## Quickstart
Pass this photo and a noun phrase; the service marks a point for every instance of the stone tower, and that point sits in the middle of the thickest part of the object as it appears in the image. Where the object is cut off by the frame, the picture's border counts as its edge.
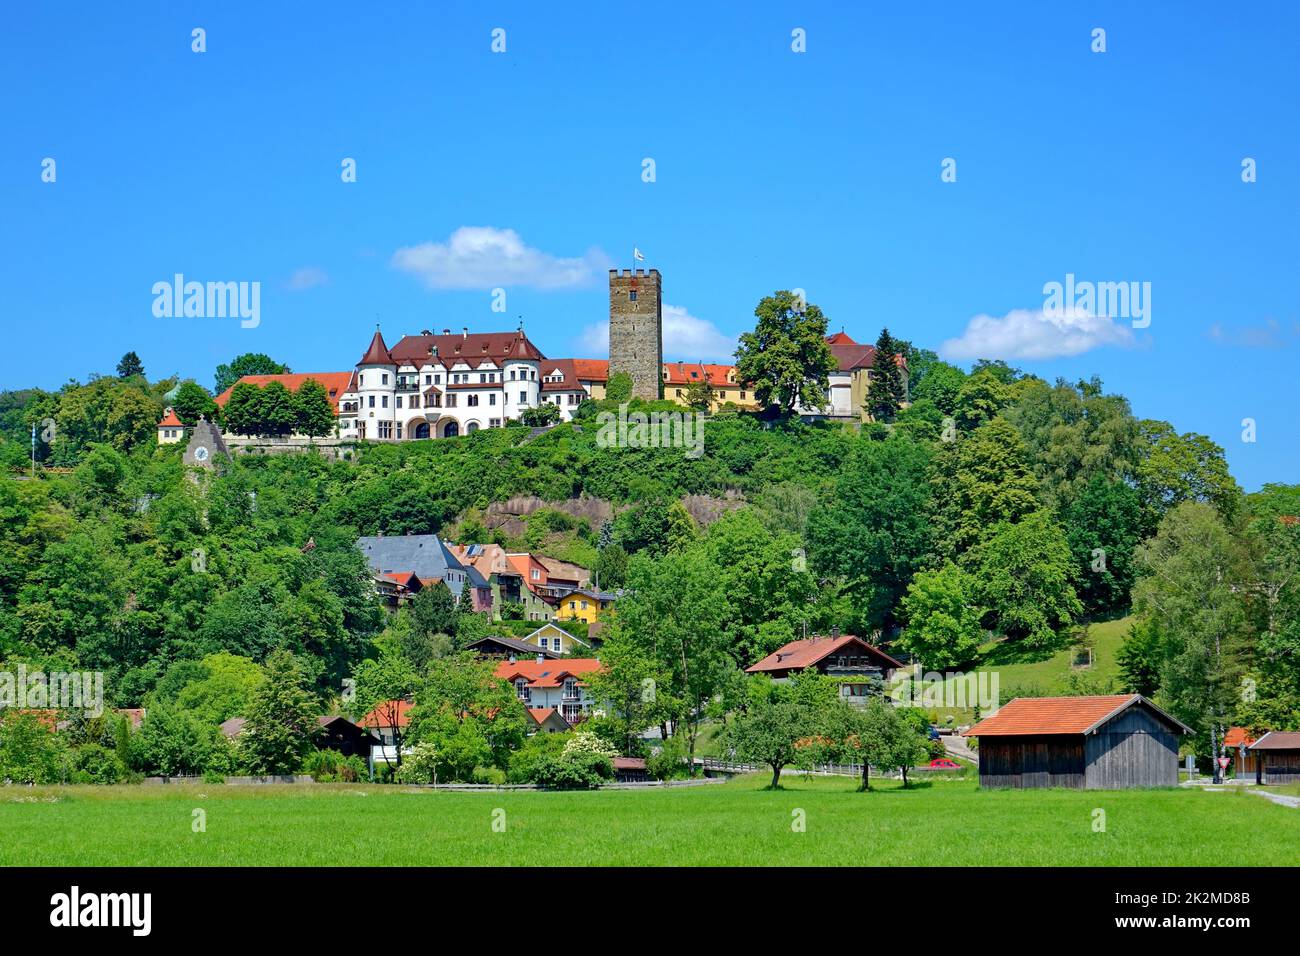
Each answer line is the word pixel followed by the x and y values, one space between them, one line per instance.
pixel 636 329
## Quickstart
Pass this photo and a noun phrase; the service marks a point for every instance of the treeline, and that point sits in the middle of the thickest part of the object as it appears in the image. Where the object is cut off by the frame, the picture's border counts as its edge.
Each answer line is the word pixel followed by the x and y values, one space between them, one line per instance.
pixel 995 506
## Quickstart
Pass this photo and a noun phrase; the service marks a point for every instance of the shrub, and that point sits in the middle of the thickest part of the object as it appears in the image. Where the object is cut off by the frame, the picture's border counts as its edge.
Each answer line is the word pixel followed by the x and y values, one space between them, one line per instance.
pixel 330 766
pixel 489 775
pixel 92 763
pixel 669 761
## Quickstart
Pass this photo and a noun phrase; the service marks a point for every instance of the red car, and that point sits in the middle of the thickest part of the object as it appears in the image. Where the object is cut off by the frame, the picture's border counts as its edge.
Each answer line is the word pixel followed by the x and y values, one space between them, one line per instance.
pixel 943 763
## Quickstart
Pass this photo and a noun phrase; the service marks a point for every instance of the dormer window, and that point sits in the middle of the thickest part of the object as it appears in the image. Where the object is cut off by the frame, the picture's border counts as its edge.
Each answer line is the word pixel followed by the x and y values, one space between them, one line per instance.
pixel 521 689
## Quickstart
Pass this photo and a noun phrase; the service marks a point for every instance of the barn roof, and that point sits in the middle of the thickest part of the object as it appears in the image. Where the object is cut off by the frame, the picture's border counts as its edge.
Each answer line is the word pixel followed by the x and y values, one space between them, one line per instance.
pixel 1033 716
pixel 1277 740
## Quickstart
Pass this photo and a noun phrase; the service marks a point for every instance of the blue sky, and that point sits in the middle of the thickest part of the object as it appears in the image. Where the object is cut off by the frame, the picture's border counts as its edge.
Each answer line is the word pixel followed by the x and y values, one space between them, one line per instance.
pixel 773 169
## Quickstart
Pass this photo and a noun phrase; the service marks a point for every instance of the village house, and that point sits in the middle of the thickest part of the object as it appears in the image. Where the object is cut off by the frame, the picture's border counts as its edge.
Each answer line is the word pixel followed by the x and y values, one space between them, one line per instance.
pixel 542 683
pixel 846 394
pixel 546 720
pixel 334 732
pixel 387 721
pixel 171 429
pixel 551 637
pixel 1277 758
pixel 585 605
pixel 1108 742
pixel 861 668
pixel 394 558
pixel 508 647
pixel 507 583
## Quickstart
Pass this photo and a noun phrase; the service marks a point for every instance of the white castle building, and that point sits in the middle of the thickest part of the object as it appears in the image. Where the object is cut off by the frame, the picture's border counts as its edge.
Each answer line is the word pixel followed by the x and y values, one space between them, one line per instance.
pixel 440 386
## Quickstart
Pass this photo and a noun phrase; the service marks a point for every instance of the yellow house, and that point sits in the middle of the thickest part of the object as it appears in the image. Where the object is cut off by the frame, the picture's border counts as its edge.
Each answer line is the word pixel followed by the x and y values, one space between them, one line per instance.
pixel 584 605
pixel 727 389
pixel 557 640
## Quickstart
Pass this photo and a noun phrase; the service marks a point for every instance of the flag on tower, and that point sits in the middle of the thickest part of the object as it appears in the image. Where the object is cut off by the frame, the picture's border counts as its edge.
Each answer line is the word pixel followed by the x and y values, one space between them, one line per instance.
pixel 636 254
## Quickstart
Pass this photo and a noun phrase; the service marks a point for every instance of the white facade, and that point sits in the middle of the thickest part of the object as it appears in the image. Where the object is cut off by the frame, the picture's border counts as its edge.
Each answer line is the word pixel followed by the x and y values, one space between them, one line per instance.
pixel 397 400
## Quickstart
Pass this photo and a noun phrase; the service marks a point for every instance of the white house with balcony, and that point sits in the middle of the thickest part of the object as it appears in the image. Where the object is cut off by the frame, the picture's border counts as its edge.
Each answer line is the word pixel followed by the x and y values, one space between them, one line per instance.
pixel 543 683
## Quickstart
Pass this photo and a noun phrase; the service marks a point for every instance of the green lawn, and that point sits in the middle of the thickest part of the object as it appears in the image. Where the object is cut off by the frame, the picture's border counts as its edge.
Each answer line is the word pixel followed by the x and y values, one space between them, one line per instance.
pixel 1049 673
pixel 736 823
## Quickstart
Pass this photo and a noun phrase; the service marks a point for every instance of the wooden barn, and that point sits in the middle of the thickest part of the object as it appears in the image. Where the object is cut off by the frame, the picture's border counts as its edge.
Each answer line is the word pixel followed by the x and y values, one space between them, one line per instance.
pixel 1277 756
pixel 1085 743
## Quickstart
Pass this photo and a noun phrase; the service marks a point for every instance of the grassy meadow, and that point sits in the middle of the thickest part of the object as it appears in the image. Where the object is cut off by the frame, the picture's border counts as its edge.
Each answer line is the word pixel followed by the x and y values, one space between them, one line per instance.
pixel 737 823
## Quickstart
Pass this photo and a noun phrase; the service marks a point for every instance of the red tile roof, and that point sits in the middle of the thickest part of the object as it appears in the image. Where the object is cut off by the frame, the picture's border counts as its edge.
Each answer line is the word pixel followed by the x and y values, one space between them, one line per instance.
pixel 851 355
pixel 471 348
pixel 798 655
pixel 383 713
pixel 547 673
pixel 1277 740
pixel 541 714
pixel 335 384
pixel 1032 716
pixel 377 353
pixel 170 420
pixel 1238 737
pixel 684 373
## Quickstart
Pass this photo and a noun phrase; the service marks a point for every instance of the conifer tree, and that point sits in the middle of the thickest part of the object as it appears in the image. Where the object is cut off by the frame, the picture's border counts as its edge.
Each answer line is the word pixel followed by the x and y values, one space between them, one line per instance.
pixel 887 391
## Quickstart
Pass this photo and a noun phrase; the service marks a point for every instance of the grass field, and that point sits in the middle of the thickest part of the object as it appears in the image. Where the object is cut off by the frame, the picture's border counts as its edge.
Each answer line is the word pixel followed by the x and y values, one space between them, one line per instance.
pixel 940 823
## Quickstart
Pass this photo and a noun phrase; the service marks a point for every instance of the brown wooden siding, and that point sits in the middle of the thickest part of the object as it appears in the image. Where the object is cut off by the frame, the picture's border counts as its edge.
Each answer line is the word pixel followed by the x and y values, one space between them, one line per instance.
pixel 1031 762
pixel 1280 766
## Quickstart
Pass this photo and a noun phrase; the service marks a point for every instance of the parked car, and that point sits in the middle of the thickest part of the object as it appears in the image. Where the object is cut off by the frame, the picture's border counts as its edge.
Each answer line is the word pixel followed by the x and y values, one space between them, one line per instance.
pixel 934 732
pixel 943 763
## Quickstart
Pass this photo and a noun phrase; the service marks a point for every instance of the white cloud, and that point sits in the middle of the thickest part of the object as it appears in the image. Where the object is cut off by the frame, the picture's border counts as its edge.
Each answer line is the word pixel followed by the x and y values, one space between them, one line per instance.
pixel 1271 334
pixel 481 257
pixel 686 338
pixel 1030 334
pixel 308 277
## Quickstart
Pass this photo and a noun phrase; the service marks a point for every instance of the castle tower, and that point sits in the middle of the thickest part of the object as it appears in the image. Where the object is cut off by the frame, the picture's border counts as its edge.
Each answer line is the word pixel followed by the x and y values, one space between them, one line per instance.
pixel 636 323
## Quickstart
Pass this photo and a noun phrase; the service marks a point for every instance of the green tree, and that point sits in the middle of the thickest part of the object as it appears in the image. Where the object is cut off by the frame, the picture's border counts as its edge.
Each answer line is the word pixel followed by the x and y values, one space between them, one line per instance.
pixel 786 358
pixel 278 410
pixel 130 366
pixel 225 690
pixel 875 530
pixel 943 621
pixel 700 394
pixel 1103 526
pixel 250 363
pixel 313 413
pixel 768 734
pixel 980 480
pixel 1191 591
pixel 887 388
pixel 281 719
pixel 192 401
pixel 382 686
pixel 547 413
pixel 243 412
pixel 1175 468
pixel 433 610
pixel 941 384
pixel 619 387
pixel 1022 577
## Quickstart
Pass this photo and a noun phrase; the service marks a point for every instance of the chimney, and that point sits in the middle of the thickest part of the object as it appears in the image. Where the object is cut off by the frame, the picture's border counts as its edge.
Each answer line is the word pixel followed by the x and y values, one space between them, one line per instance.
pixel 446 331
pixel 464 332
pixel 541 658
pixel 512 657
pixel 835 632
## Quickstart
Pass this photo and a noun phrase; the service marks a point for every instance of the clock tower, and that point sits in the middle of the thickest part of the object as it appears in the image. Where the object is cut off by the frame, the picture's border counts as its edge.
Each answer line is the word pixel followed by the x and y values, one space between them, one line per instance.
pixel 205 445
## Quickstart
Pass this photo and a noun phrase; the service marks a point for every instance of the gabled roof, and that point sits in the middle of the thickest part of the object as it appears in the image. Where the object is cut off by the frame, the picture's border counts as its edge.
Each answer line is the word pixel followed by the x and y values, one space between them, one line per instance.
pixel 169 420
pixel 377 353
pixel 382 713
pixel 1277 740
pixel 1238 737
pixel 511 644
pixel 850 355
pixel 424 554
pixel 541 715
pixel 684 373
pixel 336 384
pixel 472 348
pixel 800 654
pixel 552 626
pixel 1033 716
pixel 547 673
